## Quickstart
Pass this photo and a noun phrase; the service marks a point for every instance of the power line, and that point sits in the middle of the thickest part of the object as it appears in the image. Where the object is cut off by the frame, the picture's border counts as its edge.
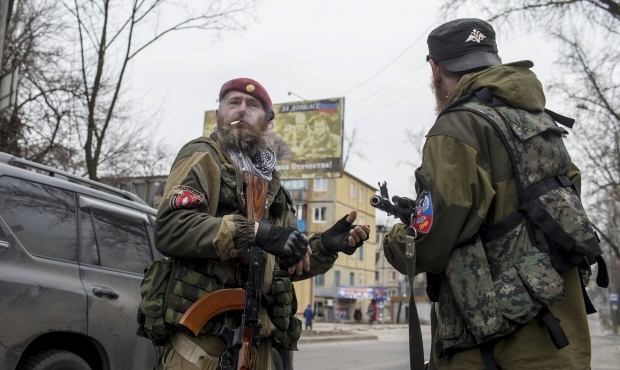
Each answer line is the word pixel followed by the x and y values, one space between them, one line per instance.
pixel 387 105
pixel 393 60
pixel 390 84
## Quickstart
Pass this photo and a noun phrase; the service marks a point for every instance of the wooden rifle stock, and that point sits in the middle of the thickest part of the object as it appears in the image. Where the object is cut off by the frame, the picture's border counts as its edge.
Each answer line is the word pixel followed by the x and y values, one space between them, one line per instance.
pixel 207 307
pixel 225 300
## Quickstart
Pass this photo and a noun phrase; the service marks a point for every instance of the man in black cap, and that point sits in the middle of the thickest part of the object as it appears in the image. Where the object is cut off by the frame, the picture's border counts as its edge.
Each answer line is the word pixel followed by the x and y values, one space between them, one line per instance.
pixel 476 235
pixel 201 224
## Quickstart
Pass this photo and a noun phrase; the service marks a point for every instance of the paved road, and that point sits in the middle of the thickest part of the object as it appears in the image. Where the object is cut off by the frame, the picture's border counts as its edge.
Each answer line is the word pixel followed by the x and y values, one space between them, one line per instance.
pixel 390 351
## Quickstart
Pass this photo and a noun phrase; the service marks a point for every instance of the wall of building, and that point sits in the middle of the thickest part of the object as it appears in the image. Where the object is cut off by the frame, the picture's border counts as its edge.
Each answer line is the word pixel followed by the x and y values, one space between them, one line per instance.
pixel 334 198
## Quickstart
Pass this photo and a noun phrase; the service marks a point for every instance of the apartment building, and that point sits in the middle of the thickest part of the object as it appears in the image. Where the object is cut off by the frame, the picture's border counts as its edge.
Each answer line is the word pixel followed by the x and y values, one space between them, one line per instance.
pixel 350 284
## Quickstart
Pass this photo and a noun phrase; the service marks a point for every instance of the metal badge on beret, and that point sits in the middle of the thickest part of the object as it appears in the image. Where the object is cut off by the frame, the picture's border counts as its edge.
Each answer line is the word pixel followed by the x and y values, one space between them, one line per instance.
pixel 250 88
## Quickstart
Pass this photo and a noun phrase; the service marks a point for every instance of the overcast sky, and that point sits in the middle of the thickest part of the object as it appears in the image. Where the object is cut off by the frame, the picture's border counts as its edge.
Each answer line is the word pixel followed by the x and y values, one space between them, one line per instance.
pixel 320 49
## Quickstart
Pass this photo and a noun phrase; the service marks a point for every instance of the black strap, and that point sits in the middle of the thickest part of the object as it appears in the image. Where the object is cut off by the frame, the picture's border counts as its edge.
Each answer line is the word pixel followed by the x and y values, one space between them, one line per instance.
pixel 544 186
pixel 539 215
pixel 487 357
pixel 416 343
pixel 586 299
pixel 488 99
pixel 602 277
pixel 431 361
pixel 563 120
pixel 558 337
pixel 490 232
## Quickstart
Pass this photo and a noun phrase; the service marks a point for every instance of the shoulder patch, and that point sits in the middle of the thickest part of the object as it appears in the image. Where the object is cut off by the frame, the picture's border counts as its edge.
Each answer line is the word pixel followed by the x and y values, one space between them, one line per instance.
pixel 424 213
pixel 185 197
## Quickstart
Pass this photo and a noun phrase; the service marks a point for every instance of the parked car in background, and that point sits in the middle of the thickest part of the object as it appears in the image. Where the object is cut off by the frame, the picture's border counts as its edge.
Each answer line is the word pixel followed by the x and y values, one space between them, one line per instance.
pixel 72 256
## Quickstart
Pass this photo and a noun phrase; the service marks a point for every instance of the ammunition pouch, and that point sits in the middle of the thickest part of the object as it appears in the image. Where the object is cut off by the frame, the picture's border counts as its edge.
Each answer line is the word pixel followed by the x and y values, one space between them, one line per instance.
pixel 169 289
pixel 282 311
pixel 495 286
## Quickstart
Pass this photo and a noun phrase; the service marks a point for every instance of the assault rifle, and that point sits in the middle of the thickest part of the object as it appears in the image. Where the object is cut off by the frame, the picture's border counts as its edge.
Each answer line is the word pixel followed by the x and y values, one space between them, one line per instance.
pixel 241 342
pixel 401 207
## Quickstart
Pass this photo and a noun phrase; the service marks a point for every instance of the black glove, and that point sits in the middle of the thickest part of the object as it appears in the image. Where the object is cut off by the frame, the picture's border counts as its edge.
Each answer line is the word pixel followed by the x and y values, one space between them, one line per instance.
pixel 287 244
pixel 336 238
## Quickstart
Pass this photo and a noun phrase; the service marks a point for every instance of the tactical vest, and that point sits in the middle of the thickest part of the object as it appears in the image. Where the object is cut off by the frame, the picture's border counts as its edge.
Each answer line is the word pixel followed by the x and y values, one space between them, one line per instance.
pixel 171 286
pixel 509 273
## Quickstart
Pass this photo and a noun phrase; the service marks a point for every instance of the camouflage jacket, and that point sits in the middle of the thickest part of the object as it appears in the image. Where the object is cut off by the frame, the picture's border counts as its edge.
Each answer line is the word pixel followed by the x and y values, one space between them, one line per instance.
pixel 468 171
pixel 201 217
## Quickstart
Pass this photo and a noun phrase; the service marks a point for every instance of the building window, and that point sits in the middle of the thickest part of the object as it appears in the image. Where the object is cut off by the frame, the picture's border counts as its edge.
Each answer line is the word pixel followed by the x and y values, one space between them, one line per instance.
pixel 361 252
pixel 320 184
pixel 352 278
pixel 319 280
pixel 352 192
pixel 392 275
pixel 337 278
pixel 362 221
pixel 295 184
pixel 376 275
pixel 360 279
pixel 362 195
pixel 319 214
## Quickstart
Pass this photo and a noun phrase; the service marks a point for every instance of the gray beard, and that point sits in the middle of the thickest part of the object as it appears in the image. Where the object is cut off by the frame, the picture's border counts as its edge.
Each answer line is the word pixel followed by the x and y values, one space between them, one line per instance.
pixel 248 142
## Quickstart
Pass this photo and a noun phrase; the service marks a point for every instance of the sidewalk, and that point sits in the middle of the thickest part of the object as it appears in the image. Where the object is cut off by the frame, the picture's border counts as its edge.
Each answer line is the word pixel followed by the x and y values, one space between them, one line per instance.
pixel 328 332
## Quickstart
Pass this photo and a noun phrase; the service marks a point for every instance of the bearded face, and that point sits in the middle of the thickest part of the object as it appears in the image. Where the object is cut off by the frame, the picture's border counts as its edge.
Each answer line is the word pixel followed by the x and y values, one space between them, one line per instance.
pixel 249 134
pixel 243 137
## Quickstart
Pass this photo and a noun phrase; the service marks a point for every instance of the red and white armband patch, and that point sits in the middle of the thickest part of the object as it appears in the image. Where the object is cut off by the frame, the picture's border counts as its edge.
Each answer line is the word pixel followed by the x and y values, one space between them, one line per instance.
pixel 185 197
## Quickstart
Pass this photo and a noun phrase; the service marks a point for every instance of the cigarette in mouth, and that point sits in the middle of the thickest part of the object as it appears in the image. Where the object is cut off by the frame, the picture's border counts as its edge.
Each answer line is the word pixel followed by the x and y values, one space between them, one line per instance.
pixel 234 123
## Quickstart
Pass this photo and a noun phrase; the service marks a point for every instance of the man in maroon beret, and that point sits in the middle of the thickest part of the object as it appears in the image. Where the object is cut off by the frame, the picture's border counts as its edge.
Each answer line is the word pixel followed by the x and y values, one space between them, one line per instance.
pixel 201 224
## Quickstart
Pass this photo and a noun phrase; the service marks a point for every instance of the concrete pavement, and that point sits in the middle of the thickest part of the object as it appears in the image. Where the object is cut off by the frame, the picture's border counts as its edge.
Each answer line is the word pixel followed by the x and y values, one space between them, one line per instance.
pixel 385 347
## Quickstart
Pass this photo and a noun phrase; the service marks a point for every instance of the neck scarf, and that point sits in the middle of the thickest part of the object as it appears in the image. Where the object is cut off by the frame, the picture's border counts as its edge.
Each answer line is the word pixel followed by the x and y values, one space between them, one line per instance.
pixel 262 165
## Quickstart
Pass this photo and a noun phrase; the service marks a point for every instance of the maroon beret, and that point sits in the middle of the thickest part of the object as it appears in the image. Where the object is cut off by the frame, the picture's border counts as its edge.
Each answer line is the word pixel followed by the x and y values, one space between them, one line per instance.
pixel 250 87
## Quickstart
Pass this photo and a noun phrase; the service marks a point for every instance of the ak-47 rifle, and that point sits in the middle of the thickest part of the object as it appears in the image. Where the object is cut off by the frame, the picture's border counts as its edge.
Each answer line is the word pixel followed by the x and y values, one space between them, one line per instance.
pixel 241 342
pixel 405 209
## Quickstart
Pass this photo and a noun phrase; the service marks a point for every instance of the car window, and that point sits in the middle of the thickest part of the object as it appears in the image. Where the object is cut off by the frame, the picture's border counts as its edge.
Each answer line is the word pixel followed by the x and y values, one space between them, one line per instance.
pixel 89 253
pixel 122 240
pixel 42 217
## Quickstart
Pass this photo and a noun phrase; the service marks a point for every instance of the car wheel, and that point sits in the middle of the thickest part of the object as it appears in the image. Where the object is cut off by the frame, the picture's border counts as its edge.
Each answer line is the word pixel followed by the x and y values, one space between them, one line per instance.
pixel 55 359
pixel 277 360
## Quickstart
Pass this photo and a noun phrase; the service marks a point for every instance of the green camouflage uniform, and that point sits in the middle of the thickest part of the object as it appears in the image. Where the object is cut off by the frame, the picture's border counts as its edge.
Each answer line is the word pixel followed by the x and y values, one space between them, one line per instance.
pixel 216 229
pixel 468 171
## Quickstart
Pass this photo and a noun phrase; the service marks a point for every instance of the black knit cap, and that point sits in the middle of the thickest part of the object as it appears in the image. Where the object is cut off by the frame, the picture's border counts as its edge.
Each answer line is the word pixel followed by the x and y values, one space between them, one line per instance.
pixel 463 44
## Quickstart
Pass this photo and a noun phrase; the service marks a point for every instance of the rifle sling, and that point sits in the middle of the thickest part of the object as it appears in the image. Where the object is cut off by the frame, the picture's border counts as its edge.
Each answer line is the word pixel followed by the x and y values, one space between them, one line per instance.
pixel 416 344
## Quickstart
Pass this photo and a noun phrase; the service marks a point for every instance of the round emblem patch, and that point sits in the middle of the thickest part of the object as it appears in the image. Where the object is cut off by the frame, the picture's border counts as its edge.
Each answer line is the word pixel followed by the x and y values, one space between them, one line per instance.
pixel 250 88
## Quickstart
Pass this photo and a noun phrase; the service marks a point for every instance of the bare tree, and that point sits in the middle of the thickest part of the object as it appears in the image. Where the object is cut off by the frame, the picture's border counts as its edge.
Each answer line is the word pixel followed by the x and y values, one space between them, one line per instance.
pixel 110 34
pixel 38 127
pixel 73 111
pixel 353 145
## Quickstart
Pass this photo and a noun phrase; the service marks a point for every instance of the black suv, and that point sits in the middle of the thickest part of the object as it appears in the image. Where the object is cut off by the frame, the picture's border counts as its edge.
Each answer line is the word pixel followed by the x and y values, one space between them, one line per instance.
pixel 72 255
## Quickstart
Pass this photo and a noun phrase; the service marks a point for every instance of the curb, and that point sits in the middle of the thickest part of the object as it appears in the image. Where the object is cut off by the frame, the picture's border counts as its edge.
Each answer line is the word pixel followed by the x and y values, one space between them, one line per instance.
pixel 336 338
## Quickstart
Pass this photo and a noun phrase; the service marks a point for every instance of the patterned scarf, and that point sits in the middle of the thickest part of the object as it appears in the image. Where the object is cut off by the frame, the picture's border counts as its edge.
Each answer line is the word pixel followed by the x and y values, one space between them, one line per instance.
pixel 262 165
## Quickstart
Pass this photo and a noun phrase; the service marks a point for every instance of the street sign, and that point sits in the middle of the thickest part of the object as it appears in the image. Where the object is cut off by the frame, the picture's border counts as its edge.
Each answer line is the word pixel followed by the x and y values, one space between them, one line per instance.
pixel 613 298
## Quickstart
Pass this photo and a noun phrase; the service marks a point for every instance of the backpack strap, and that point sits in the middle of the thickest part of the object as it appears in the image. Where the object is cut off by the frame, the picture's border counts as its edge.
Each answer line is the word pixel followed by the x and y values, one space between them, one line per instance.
pixel 558 337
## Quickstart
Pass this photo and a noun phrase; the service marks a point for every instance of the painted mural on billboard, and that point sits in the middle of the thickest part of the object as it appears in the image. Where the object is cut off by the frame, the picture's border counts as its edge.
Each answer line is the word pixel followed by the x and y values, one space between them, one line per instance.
pixel 307 137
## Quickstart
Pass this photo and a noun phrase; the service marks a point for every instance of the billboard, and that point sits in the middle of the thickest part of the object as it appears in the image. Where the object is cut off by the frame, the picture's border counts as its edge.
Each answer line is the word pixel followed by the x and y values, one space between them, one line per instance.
pixel 308 137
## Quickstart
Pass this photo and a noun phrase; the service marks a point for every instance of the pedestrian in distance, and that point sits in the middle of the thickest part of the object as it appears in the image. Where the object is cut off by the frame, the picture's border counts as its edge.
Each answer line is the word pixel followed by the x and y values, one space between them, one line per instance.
pixel 357 315
pixel 372 312
pixel 498 226
pixel 309 315
pixel 201 224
